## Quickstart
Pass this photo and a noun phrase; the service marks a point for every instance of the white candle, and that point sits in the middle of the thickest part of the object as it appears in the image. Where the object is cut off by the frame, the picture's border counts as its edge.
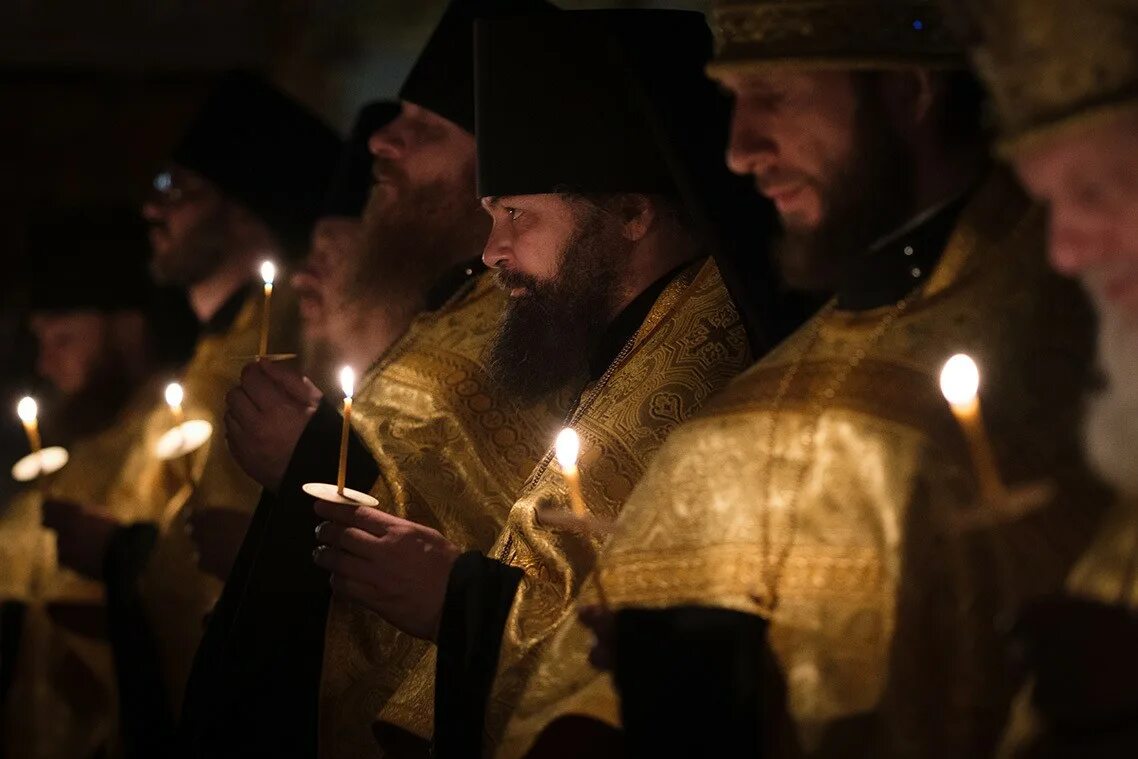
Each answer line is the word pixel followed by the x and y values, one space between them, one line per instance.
pixel 268 274
pixel 28 412
pixel 174 397
pixel 568 448
pixel 348 383
pixel 960 384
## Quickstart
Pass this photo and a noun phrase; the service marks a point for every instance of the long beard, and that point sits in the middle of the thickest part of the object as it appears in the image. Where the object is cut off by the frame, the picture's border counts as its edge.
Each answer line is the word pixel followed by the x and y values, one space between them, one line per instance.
pixel 411 242
pixel 198 256
pixel 865 200
pixel 545 337
pixel 1110 430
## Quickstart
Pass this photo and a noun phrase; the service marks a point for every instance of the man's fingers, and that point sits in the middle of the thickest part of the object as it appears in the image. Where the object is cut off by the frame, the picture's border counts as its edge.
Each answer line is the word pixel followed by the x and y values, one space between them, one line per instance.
pixel 353 590
pixel 291 382
pixel 241 407
pixel 365 518
pixel 349 539
pixel 261 388
pixel 341 562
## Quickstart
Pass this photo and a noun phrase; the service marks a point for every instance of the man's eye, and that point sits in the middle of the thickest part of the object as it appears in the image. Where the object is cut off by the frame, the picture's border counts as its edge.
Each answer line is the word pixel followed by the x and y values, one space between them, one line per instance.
pixel 514 213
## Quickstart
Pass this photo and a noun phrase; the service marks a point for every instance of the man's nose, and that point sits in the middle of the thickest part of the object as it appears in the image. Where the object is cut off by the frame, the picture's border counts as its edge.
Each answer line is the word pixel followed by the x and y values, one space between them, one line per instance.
pixel 499 249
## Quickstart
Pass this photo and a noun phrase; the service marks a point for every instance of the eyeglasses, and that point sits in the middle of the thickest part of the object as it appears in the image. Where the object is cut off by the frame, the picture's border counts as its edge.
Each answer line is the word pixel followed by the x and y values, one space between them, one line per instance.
pixel 171 189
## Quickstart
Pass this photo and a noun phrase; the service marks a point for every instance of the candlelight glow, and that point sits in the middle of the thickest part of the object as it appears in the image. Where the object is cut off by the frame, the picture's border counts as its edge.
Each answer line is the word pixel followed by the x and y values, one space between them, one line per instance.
pixel 348 381
pixel 960 380
pixel 174 395
pixel 27 410
pixel 568 447
pixel 268 272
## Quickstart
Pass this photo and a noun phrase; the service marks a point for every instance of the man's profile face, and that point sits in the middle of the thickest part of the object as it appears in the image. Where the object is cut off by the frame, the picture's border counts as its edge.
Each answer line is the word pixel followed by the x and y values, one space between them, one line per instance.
pixel 791 131
pixel 418 149
pixel 564 263
pixel 186 215
pixel 821 147
pixel 1089 181
pixel 71 346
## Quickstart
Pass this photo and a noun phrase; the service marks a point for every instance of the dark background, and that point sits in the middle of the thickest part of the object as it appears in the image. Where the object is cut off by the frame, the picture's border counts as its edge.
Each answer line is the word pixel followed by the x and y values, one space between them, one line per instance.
pixel 94 94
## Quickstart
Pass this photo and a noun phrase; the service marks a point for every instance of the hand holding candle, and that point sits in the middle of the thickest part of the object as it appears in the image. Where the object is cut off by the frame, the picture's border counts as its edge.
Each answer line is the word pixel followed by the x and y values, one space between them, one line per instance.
pixel 348 382
pixel 568 448
pixel 28 412
pixel 268 274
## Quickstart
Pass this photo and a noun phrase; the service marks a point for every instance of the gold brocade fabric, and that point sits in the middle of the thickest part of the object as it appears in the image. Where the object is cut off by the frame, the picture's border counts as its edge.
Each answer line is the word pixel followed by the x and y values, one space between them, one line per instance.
pixel 691 344
pixel 177 594
pixel 453 451
pixel 63 700
pixel 860 511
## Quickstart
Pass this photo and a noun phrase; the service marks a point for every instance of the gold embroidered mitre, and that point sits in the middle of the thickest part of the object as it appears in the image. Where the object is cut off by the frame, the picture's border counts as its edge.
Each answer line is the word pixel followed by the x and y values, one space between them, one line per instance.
pixel 1051 64
pixel 690 345
pixel 845 512
pixel 453 452
pixel 847 34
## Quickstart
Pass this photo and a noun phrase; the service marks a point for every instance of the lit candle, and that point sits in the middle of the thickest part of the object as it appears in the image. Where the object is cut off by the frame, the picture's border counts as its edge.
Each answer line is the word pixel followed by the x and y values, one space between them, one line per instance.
pixel 960 383
pixel 268 274
pixel 348 382
pixel 174 397
pixel 27 410
pixel 567 448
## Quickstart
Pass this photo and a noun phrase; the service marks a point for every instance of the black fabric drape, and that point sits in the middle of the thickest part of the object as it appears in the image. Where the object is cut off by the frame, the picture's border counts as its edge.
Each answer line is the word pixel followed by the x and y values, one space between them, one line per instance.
pixel 255 684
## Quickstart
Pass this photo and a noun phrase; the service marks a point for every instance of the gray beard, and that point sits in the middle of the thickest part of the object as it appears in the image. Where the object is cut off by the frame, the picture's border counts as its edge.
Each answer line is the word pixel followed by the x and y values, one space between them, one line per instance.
pixel 1110 429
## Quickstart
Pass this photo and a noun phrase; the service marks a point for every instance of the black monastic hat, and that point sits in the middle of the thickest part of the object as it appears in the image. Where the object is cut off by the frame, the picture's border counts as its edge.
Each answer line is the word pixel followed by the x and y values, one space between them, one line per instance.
pixel 612 101
pixel 592 101
pixel 265 150
pixel 352 180
pixel 89 260
pixel 442 79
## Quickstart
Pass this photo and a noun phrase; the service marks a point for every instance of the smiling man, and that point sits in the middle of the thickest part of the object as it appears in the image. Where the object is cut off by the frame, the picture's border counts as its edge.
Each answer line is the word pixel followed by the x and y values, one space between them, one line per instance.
pixel 810 568
pixel 597 185
pixel 1065 83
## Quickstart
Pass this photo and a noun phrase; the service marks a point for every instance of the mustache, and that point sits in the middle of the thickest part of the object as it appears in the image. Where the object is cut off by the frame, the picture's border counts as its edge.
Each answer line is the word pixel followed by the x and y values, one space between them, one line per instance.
pixel 385 170
pixel 777 178
pixel 508 279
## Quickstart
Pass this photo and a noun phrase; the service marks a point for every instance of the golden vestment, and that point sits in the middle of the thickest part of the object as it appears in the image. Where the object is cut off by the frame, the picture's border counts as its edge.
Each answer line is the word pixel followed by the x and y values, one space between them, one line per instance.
pixel 63 701
pixel 845 513
pixel 176 593
pixel 690 345
pixel 452 450
pixel 1107 573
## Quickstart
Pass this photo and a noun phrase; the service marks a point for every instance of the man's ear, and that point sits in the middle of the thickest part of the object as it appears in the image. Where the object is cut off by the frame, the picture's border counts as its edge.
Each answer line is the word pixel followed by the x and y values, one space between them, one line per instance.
pixel 637 215
pixel 909 96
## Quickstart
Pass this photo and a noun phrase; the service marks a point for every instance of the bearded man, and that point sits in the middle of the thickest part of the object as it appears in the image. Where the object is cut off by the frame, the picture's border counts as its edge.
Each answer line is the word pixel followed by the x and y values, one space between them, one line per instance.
pixel 95 317
pixel 338 324
pixel 593 168
pixel 1064 83
pixel 222 205
pixel 435 438
pixel 812 568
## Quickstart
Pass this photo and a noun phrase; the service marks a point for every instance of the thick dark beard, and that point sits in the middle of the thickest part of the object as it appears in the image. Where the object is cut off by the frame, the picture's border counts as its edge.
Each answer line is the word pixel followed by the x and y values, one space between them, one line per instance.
pixel 867 198
pixel 409 244
pixel 98 403
pixel 545 337
pixel 198 257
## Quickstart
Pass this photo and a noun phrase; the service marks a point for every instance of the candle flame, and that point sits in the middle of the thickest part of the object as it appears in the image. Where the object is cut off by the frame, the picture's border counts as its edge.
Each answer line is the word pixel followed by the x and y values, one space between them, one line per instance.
pixel 567 447
pixel 960 380
pixel 27 410
pixel 348 381
pixel 268 272
pixel 174 395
